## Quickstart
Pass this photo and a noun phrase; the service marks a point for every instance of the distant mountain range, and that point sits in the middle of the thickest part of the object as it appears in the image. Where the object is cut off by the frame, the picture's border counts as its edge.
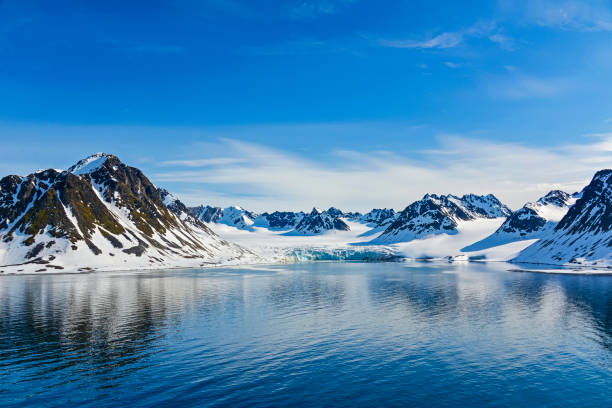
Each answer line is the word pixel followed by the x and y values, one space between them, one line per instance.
pixel 103 214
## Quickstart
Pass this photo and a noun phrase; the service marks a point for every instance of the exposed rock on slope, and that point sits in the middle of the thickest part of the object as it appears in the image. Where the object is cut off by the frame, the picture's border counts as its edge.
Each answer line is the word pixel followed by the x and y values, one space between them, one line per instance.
pixel 279 220
pixel 440 215
pixel 378 216
pixel 100 213
pixel 295 223
pixel 319 221
pixel 233 216
pixel 584 235
pixel 533 220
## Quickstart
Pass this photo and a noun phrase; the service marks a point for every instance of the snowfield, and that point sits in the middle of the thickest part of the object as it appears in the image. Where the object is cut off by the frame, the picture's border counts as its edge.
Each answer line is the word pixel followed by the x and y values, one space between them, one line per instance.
pixel 276 246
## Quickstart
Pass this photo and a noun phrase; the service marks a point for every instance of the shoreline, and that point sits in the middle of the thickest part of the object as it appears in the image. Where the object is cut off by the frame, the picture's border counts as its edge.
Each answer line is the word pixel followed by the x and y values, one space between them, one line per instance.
pixel 553 269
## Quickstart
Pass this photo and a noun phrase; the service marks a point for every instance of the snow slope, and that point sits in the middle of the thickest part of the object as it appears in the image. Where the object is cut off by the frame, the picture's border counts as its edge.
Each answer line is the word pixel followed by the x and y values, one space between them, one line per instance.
pixel 355 244
pixel 532 221
pixel 435 215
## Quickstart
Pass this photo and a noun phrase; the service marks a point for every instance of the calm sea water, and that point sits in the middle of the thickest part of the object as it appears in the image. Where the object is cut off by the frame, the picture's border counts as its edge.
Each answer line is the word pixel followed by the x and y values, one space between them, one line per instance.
pixel 324 334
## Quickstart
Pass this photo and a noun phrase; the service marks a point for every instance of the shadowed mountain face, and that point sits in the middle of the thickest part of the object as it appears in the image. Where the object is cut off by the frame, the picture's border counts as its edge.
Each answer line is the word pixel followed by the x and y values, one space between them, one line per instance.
pixel 297 223
pixel 99 207
pixel 532 221
pixel 583 235
pixel 378 216
pixel 319 221
pixel 534 216
pixel 233 216
pixel 441 215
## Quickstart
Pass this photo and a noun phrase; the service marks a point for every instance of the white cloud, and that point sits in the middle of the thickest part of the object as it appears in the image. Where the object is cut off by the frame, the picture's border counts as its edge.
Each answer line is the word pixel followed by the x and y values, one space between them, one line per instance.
pixel 262 178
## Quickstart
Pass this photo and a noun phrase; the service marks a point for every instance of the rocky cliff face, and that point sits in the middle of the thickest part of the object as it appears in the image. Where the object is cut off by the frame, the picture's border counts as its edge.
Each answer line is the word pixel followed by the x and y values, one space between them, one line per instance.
pixel 378 217
pixel 319 221
pixel 100 213
pixel 279 220
pixel 233 216
pixel 296 223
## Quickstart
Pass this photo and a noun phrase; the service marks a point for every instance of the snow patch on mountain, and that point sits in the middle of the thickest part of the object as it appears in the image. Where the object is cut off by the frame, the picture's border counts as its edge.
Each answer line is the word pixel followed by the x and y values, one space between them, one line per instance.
pixel 532 221
pixel 584 235
pixel 101 215
pixel 434 215
pixel 89 164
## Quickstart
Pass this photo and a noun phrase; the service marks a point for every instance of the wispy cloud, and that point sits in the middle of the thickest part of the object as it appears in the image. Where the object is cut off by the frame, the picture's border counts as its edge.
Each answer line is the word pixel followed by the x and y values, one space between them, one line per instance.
pixel 263 178
pixel 452 39
pixel 592 15
pixel 576 15
pixel 444 40
pixel 519 86
pixel 453 65
pixel 504 41
pixel 217 161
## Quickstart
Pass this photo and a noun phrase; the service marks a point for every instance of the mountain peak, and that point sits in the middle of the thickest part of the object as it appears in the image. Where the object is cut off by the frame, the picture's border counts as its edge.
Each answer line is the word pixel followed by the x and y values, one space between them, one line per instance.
pixel 555 197
pixel 91 163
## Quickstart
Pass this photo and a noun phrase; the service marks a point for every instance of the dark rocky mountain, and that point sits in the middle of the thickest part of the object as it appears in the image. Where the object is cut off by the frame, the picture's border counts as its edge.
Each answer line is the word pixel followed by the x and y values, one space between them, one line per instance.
pixel 298 223
pixel 378 216
pixel 334 212
pixel 533 220
pixel 207 213
pixel 99 213
pixel 436 214
pixel 319 221
pixel 233 216
pixel 279 220
pixel 584 235
pixel 484 206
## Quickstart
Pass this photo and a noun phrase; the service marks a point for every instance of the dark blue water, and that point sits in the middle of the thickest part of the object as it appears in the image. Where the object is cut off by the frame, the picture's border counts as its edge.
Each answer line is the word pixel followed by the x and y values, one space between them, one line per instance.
pixel 326 334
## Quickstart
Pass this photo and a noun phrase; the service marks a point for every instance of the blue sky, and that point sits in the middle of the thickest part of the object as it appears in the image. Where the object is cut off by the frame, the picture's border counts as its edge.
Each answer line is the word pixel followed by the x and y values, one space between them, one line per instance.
pixel 290 104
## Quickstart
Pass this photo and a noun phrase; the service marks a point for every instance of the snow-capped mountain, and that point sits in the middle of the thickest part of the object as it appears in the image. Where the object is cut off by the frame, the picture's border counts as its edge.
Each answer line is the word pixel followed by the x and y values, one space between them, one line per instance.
pixel 233 216
pixel 435 214
pixel 100 213
pixel 533 220
pixel 378 216
pixel 319 221
pixel 584 235
pixel 279 220
pixel 294 223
